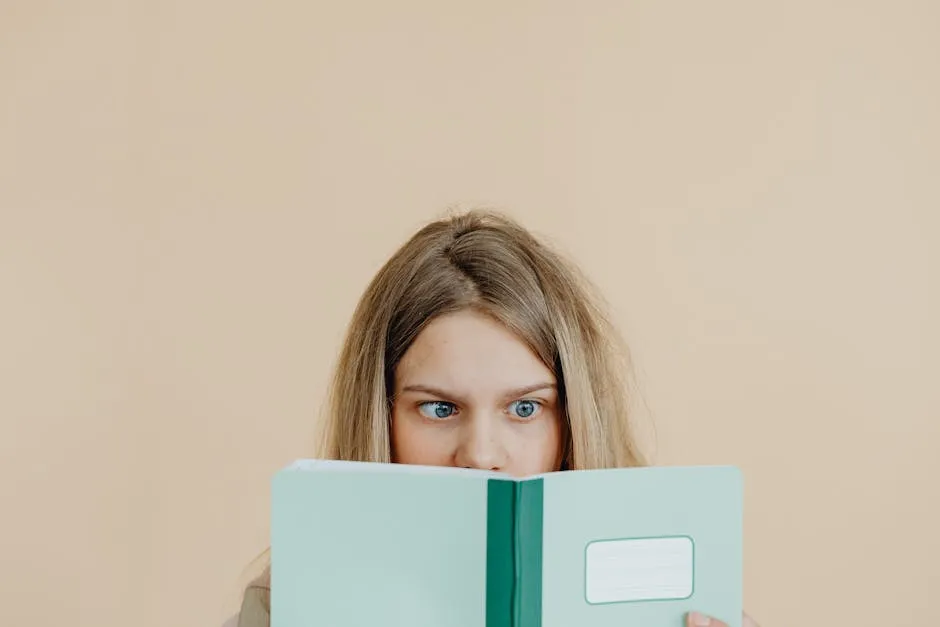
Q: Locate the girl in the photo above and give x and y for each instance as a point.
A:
(477, 346)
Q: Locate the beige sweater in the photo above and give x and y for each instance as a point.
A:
(256, 604)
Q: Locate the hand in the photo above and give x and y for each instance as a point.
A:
(700, 620)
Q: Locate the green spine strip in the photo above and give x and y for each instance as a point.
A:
(500, 552)
(527, 531)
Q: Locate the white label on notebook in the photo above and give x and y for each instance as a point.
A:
(647, 569)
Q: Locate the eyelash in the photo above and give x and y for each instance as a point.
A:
(538, 407)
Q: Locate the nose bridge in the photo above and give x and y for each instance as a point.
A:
(480, 445)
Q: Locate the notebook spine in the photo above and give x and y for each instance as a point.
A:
(528, 541)
(500, 552)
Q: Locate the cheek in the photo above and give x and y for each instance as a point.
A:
(541, 446)
(533, 448)
(417, 443)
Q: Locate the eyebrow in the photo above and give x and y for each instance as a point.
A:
(528, 389)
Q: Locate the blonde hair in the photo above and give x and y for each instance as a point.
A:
(486, 261)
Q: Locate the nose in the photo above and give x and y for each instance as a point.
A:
(480, 447)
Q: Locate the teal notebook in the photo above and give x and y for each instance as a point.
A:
(357, 544)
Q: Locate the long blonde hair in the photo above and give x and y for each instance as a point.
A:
(486, 261)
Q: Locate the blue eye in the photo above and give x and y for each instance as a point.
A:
(525, 409)
(437, 410)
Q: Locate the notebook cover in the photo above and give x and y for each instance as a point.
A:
(641, 546)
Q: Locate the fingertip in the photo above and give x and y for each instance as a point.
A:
(697, 619)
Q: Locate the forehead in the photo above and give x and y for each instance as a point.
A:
(469, 351)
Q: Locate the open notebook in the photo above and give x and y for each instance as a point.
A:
(356, 544)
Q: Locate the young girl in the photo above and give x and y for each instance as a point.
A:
(477, 346)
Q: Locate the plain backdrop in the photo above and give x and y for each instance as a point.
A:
(194, 194)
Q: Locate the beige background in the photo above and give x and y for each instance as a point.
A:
(194, 194)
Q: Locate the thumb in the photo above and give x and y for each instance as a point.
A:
(697, 619)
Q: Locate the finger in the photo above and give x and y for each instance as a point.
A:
(697, 619)
(749, 622)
